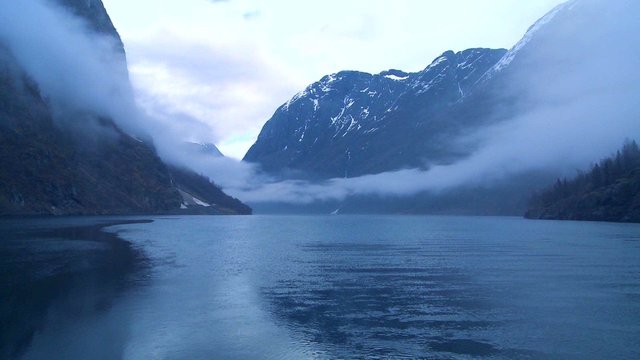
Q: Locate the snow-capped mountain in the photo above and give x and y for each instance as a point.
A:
(531, 34)
(573, 70)
(208, 149)
(336, 125)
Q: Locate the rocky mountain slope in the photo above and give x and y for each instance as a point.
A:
(56, 166)
(352, 123)
(337, 125)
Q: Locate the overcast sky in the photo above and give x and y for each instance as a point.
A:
(230, 63)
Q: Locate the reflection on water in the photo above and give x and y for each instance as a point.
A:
(56, 276)
(330, 287)
(383, 300)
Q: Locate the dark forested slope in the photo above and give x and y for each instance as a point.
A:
(609, 192)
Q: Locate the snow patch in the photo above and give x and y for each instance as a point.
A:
(325, 86)
(190, 200)
(352, 124)
(467, 63)
(511, 54)
(200, 202)
(436, 62)
(396, 77)
(429, 85)
(348, 102)
(334, 119)
(297, 96)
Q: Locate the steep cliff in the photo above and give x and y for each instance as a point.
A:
(54, 162)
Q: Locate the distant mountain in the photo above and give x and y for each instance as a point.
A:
(200, 196)
(336, 126)
(351, 123)
(609, 192)
(86, 165)
(202, 149)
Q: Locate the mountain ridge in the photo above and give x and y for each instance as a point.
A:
(333, 126)
(546, 80)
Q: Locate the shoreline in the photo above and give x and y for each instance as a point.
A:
(51, 274)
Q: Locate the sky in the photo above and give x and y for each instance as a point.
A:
(226, 65)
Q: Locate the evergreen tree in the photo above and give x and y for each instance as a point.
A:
(610, 191)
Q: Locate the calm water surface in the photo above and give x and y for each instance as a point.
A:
(332, 287)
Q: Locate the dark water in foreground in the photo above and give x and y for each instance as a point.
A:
(344, 287)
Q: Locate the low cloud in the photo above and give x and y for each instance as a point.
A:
(579, 82)
(227, 87)
(77, 72)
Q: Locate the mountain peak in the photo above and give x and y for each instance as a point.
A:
(533, 30)
(328, 128)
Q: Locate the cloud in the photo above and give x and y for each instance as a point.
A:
(250, 15)
(230, 88)
(300, 42)
(579, 84)
(79, 71)
(84, 75)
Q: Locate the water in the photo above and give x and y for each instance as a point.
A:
(335, 287)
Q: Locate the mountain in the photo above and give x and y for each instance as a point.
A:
(609, 192)
(335, 126)
(201, 196)
(201, 149)
(338, 125)
(575, 63)
(52, 163)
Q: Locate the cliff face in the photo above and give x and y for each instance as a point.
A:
(49, 169)
(82, 164)
(94, 12)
